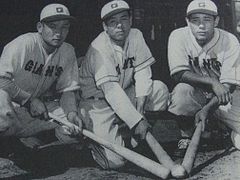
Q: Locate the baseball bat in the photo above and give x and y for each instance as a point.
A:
(177, 170)
(141, 161)
(191, 152)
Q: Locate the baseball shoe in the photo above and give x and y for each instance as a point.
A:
(235, 137)
(182, 147)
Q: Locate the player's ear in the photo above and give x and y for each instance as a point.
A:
(39, 27)
(216, 21)
(104, 26)
(187, 20)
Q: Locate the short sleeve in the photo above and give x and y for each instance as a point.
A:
(11, 57)
(102, 67)
(177, 55)
(230, 70)
(144, 56)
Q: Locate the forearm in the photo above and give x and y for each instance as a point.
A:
(121, 104)
(68, 102)
(17, 95)
(141, 103)
(143, 82)
(197, 80)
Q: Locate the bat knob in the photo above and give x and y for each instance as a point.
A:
(178, 171)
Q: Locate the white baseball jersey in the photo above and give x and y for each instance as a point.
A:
(220, 58)
(102, 63)
(25, 61)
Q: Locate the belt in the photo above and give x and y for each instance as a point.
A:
(96, 98)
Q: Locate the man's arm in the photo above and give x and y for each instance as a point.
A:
(68, 103)
(123, 107)
(204, 82)
(210, 107)
(143, 87)
(16, 94)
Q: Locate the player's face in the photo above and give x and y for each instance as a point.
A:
(118, 26)
(54, 33)
(202, 26)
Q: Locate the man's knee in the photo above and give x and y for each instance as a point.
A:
(182, 88)
(161, 88)
(182, 101)
(182, 93)
(160, 91)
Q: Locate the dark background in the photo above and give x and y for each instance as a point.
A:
(155, 18)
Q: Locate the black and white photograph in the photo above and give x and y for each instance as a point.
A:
(119, 89)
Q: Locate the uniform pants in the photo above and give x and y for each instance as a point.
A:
(99, 118)
(16, 121)
(186, 100)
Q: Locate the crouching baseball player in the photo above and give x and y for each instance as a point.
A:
(205, 60)
(32, 66)
(115, 79)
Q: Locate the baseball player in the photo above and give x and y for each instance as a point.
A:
(115, 79)
(33, 68)
(204, 60)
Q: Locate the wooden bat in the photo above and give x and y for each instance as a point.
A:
(141, 161)
(191, 152)
(177, 170)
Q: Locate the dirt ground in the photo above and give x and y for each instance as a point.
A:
(64, 163)
(216, 159)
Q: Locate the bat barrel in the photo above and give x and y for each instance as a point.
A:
(139, 160)
(191, 152)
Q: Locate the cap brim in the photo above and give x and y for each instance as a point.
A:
(58, 18)
(114, 12)
(204, 11)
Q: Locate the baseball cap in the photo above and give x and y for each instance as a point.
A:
(54, 12)
(202, 6)
(113, 7)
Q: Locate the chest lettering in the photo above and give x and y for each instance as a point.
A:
(128, 63)
(209, 64)
(37, 68)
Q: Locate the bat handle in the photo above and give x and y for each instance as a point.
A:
(191, 152)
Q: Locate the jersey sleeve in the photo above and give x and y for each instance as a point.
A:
(10, 63)
(144, 56)
(69, 79)
(230, 70)
(121, 104)
(11, 58)
(102, 66)
(143, 82)
(177, 55)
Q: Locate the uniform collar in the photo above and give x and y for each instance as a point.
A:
(207, 46)
(115, 46)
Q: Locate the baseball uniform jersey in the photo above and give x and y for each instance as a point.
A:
(219, 58)
(107, 63)
(103, 65)
(25, 61)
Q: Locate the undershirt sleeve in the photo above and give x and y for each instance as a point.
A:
(121, 104)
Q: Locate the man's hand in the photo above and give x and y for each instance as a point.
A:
(73, 118)
(222, 92)
(202, 116)
(142, 128)
(140, 104)
(38, 109)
